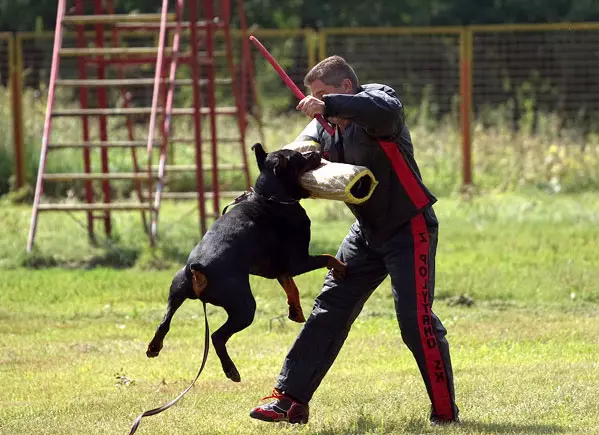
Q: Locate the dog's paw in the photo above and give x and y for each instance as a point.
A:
(339, 271)
(296, 314)
(153, 351)
(233, 374)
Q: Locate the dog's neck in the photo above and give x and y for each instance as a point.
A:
(271, 188)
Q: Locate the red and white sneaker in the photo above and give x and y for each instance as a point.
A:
(283, 408)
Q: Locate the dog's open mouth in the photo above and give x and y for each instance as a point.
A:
(313, 159)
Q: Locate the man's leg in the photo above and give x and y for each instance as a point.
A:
(325, 331)
(410, 260)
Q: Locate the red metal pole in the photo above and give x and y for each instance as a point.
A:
(248, 75)
(248, 72)
(197, 121)
(296, 91)
(83, 102)
(155, 97)
(126, 104)
(47, 122)
(166, 123)
(103, 103)
(209, 17)
(237, 93)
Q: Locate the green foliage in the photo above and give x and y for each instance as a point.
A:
(341, 13)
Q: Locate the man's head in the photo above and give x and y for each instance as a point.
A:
(332, 75)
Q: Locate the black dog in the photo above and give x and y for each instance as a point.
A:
(267, 234)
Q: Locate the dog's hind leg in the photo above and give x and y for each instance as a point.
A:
(293, 300)
(179, 291)
(240, 309)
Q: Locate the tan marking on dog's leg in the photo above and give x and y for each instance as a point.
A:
(293, 300)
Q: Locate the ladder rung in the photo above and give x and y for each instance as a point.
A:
(194, 195)
(106, 82)
(95, 207)
(201, 25)
(191, 140)
(132, 51)
(204, 82)
(205, 140)
(113, 19)
(192, 168)
(140, 111)
(97, 176)
(112, 51)
(133, 82)
(183, 58)
(112, 144)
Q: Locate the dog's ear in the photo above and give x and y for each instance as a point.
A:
(279, 165)
(260, 155)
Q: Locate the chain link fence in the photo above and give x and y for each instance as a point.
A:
(421, 64)
(532, 88)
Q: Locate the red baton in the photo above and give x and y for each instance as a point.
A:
(296, 91)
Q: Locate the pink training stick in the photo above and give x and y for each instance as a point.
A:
(296, 91)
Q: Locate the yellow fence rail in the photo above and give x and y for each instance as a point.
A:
(460, 72)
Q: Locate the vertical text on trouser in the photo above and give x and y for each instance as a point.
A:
(425, 312)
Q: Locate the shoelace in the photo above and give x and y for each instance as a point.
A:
(276, 394)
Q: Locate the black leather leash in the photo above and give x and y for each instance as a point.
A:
(237, 200)
(176, 399)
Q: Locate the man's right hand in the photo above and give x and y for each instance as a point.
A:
(311, 106)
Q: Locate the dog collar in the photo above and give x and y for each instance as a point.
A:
(245, 195)
(271, 199)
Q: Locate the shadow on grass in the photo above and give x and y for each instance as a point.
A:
(110, 255)
(473, 426)
(362, 424)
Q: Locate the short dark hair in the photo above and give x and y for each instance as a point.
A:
(332, 71)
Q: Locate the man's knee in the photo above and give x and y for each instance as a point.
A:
(416, 332)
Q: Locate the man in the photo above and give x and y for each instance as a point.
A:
(395, 234)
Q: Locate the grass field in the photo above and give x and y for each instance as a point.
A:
(75, 321)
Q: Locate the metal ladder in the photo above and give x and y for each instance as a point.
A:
(150, 179)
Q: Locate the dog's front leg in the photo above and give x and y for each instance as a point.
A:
(293, 300)
(313, 262)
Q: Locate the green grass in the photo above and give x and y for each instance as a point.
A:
(73, 337)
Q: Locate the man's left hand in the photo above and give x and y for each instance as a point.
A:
(311, 106)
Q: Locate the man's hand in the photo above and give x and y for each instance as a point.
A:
(311, 106)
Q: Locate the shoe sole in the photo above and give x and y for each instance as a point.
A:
(271, 420)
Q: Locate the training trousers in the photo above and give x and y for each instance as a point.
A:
(409, 258)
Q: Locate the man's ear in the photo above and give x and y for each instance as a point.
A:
(347, 85)
(260, 155)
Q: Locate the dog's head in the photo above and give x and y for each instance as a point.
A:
(286, 167)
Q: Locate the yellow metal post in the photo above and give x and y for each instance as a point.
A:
(322, 44)
(310, 40)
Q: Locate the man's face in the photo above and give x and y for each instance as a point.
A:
(319, 89)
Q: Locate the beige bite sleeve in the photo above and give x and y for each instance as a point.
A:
(335, 181)
(340, 182)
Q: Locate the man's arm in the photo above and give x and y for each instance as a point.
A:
(379, 113)
(312, 132)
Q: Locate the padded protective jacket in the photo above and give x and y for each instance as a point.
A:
(377, 138)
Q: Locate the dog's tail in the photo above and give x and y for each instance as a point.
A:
(198, 278)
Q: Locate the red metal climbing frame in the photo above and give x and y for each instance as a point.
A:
(103, 64)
